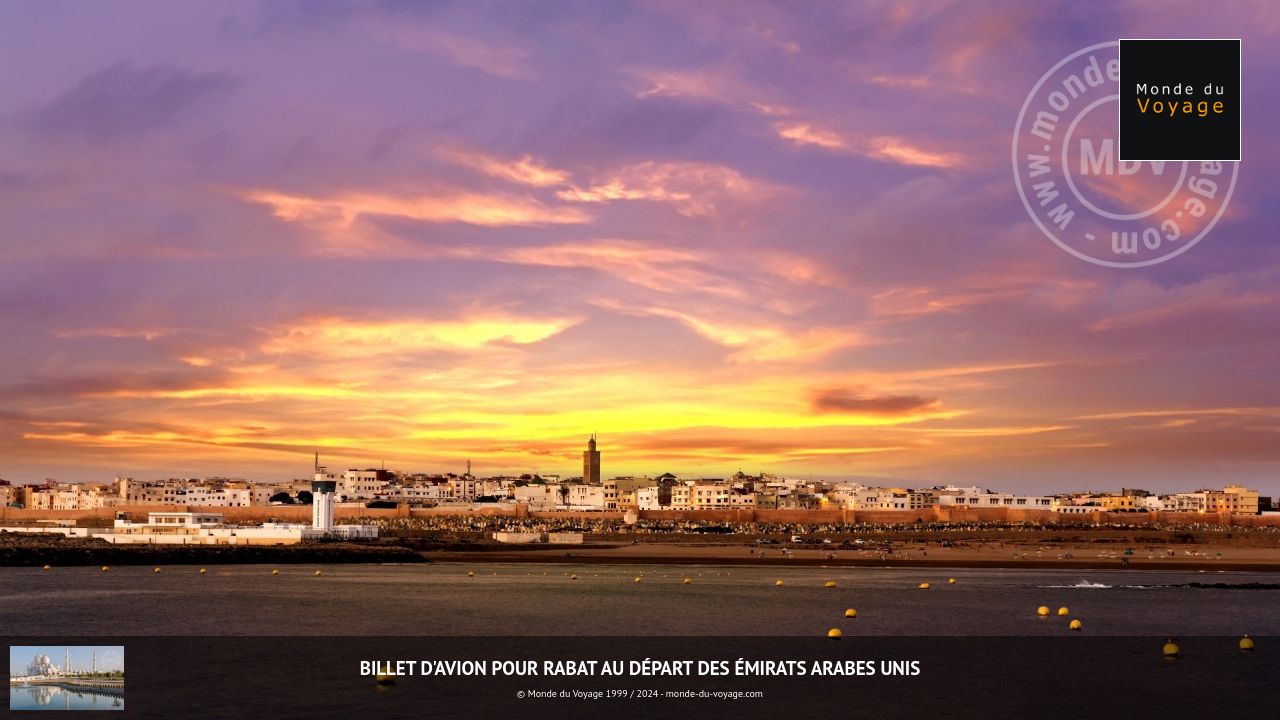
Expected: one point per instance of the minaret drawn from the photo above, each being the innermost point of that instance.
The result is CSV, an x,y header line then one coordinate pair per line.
x,y
591,463
95,661
323,486
66,660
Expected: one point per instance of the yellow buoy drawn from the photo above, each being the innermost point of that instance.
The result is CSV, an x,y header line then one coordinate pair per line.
x,y
47,568
851,613
203,571
275,572
923,586
573,577
1042,611
638,578
777,583
834,633
951,581
156,570
105,568
687,581
830,584
470,574
1063,610
1076,625
1246,643
1170,649
319,573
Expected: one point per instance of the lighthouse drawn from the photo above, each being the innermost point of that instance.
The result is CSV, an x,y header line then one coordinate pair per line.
x,y
322,489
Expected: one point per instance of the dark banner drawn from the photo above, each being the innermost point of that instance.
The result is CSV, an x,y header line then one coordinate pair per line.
x,y
656,677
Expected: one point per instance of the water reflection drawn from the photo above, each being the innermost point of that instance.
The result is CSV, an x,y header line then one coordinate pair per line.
x,y
60,697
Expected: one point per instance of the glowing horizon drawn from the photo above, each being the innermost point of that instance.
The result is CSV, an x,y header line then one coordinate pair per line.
x,y
724,236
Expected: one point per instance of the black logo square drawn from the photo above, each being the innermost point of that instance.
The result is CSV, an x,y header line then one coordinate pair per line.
x,y
1179,100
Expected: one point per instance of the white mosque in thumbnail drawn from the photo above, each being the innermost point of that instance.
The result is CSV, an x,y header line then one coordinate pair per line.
x,y
42,666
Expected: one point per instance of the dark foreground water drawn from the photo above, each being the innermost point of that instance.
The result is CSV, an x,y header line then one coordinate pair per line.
x,y
239,642
604,600
57,697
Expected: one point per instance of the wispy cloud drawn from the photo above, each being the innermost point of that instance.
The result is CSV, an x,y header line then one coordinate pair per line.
x,y
446,207
340,337
503,61
694,189
885,148
124,100
524,170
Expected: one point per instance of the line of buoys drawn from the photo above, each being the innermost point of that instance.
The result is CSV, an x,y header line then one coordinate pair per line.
x,y
1246,643
1170,648
834,633
1075,625
830,584
851,613
1043,611
1063,610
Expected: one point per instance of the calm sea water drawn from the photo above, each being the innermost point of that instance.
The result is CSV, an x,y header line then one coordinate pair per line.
x,y
604,600
55,697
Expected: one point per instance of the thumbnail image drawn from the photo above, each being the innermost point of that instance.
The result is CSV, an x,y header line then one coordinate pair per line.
x,y
69,677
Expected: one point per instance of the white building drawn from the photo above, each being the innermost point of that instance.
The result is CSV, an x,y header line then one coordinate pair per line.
x,y
975,497
586,497
361,484
538,496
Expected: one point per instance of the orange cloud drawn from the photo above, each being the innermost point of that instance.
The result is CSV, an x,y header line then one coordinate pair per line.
x,y
338,337
805,134
461,207
695,189
525,170
886,148
764,343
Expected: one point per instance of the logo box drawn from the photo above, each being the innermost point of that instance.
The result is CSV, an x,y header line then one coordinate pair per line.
x,y
1180,100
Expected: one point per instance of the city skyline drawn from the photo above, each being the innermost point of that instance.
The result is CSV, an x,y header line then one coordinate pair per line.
x,y
727,236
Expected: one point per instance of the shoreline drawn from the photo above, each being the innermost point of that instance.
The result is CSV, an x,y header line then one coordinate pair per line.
x,y
39,550
1145,565
1033,555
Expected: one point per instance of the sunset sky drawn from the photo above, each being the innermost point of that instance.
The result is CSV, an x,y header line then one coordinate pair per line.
x,y
780,237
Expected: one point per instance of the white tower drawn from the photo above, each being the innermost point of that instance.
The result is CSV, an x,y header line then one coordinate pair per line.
x,y
322,489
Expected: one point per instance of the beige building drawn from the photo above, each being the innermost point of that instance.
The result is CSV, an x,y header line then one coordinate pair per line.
x,y
1234,499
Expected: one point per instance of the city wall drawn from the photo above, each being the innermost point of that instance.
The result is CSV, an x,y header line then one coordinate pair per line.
x,y
302,513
